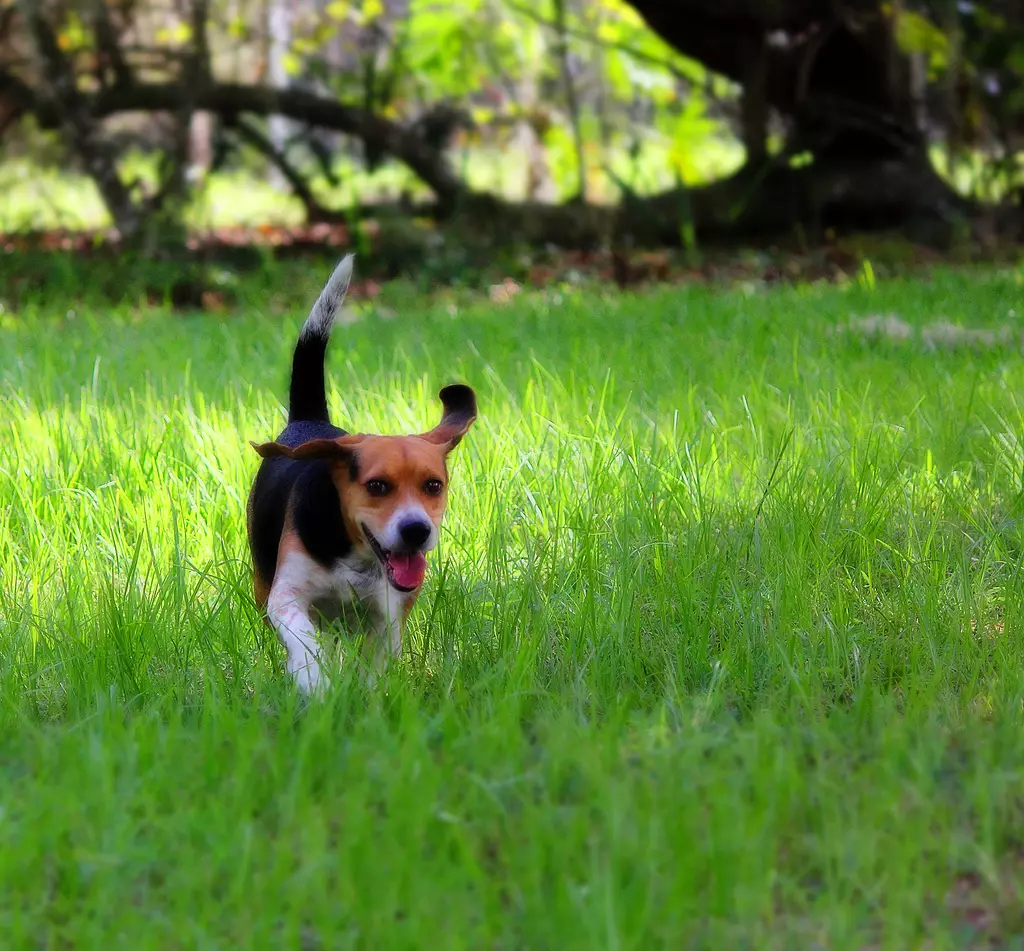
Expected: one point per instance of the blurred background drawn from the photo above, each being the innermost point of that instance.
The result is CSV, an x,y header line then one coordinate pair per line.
x,y
402,127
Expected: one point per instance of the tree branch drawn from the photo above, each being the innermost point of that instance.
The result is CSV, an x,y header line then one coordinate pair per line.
x,y
570,96
314,210
631,51
819,53
226,99
106,41
15,99
74,113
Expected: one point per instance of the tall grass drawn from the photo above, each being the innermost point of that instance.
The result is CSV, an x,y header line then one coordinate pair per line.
x,y
721,648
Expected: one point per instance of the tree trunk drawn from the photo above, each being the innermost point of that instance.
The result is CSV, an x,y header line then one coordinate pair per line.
x,y
834,70
754,103
538,185
754,205
200,149
81,132
279,30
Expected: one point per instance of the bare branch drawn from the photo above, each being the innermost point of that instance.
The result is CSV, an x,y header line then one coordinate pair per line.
x,y
230,99
6,19
107,41
74,113
199,60
632,51
570,96
314,210
15,99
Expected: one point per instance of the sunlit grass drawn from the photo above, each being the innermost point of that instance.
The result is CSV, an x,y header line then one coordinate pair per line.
x,y
722,646
40,198
34,198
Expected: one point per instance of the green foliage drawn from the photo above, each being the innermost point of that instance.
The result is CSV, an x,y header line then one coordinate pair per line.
x,y
916,33
74,36
648,116
688,129
977,54
480,52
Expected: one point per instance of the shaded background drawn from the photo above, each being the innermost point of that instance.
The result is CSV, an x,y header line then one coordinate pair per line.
x,y
396,126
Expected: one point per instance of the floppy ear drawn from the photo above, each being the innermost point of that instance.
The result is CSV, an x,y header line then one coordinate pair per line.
x,y
459,404
337,449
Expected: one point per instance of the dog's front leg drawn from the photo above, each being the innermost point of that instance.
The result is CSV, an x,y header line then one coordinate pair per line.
x,y
288,610
385,641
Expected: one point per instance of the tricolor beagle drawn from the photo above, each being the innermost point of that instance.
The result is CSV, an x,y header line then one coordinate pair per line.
x,y
341,521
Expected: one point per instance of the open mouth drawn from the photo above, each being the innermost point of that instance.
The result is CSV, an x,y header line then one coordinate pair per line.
x,y
405,569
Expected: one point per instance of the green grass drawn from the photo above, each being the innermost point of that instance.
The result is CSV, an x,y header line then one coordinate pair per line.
x,y
722,647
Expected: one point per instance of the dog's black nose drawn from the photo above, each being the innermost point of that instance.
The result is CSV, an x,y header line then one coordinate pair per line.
x,y
414,534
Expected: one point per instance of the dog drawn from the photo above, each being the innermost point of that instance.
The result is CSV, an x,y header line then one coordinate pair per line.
x,y
340,523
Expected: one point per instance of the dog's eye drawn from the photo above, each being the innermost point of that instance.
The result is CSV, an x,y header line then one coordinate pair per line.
x,y
433,486
378,488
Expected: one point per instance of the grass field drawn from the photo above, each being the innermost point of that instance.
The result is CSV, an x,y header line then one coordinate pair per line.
x,y
722,647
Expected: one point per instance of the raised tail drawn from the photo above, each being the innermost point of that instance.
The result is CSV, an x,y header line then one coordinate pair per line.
x,y
307,397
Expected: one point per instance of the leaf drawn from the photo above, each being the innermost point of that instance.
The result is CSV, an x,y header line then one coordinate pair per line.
x,y
74,35
915,33
618,75
1015,101
690,131
623,11
176,35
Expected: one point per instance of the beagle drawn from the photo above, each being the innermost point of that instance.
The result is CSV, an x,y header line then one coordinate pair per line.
x,y
340,523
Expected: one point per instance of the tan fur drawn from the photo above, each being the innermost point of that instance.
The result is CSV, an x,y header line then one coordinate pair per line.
x,y
406,463
289,542
260,589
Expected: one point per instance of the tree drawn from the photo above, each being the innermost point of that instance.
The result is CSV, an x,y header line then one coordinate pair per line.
x,y
837,73
844,75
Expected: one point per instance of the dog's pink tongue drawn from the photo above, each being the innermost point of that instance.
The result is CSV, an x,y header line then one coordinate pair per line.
x,y
408,569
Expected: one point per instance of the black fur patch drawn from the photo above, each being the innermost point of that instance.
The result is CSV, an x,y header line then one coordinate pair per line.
x,y
316,511
307,392
308,489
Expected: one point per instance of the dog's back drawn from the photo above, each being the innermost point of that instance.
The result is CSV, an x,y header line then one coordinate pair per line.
x,y
302,490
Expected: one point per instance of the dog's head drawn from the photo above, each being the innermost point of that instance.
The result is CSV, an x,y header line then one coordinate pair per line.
x,y
393,489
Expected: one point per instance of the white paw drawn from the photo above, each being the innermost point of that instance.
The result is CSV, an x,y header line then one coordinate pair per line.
x,y
308,676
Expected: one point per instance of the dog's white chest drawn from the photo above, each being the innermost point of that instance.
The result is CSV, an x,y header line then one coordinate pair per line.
x,y
345,581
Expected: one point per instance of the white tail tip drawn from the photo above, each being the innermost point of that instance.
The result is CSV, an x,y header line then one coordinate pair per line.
x,y
321,317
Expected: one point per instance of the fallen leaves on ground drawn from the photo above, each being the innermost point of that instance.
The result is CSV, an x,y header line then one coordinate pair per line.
x,y
502,274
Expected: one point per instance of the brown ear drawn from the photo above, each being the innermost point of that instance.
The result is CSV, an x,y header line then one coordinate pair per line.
x,y
340,448
459,403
